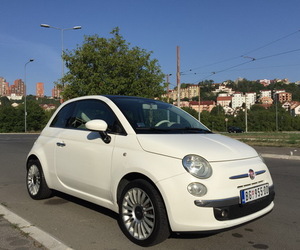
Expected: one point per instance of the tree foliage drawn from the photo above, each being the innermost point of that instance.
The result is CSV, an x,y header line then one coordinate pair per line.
x,y
110,66
12,119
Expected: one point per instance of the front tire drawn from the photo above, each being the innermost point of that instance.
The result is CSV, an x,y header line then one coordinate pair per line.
x,y
142,214
35,181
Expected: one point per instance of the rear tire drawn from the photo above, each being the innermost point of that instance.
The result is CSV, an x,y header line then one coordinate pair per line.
x,y
142,214
35,181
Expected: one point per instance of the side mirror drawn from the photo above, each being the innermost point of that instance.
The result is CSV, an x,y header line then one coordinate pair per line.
x,y
99,126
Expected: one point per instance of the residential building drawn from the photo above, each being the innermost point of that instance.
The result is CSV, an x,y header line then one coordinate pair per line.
x,y
250,99
48,107
4,87
266,100
290,105
265,93
56,92
283,97
295,110
40,91
223,89
18,88
224,101
265,82
204,105
238,99
188,92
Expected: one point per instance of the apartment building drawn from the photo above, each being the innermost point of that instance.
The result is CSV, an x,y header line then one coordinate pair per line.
x,y
238,99
4,87
265,93
283,97
40,91
224,101
223,89
18,88
188,92
204,105
56,92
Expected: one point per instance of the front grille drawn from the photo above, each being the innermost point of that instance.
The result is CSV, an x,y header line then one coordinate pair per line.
x,y
241,210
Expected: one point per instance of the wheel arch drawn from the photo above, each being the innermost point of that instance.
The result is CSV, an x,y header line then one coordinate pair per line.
x,y
131,177
43,166
31,157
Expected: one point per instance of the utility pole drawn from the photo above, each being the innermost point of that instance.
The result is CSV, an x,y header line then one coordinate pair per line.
x,y
168,86
276,110
178,76
199,110
246,115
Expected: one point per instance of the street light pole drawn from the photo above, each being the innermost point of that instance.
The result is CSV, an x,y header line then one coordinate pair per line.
x,y
25,94
62,42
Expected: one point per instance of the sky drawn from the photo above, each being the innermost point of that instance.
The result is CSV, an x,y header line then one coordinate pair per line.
x,y
219,40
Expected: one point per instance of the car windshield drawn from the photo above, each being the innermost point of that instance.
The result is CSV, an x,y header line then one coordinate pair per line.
x,y
151,116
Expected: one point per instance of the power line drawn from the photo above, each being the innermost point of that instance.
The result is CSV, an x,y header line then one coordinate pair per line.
x,y
252,60
278,54
245,55
277,40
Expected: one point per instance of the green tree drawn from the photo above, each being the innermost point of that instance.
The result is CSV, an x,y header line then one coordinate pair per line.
x,y
110,66
4,101
10,121
191,111
36,117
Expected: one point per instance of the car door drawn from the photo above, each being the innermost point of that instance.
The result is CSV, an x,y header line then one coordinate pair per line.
x,y
83,159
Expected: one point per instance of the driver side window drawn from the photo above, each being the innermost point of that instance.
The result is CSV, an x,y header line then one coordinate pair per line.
x,y
84,111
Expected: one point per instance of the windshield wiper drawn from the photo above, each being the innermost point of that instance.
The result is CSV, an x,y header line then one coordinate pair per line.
x,y
154,129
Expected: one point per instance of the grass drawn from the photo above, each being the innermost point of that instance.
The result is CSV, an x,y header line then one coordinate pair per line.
x,y
270,139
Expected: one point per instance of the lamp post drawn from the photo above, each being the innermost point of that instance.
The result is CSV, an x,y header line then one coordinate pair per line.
x,y
62,41
25,93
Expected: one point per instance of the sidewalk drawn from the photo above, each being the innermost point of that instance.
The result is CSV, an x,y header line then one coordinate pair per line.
x,y
292,153
16,233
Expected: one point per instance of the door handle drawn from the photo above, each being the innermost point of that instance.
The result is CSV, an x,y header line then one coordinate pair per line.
x,y
60,144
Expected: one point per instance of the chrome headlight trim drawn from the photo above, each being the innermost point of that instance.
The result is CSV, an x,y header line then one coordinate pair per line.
x,y
197,166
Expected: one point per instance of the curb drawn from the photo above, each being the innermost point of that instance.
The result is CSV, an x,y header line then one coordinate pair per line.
x,y
287,157
37,234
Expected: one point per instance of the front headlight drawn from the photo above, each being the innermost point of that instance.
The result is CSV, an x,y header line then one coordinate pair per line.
x,y
197,166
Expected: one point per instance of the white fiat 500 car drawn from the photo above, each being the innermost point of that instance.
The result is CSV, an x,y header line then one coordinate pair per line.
x,y
152,163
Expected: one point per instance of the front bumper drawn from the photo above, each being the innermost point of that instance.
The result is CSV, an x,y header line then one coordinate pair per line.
x,y
221,207
229,209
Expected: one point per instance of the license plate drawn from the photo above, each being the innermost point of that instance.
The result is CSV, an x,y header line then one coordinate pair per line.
x,y
251,194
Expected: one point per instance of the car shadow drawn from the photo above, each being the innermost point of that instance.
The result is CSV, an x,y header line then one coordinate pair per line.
x,y
62,198
189,236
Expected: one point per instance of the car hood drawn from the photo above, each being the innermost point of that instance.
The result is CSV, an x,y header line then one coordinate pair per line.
x,y
213,147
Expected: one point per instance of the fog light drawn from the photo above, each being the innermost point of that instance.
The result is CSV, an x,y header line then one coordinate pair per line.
x,y
224,213
221,213
197,189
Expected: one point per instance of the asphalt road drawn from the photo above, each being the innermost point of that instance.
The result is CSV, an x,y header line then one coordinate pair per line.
x,y
82,225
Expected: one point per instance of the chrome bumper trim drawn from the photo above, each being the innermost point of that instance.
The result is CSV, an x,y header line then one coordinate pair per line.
x,y
217,203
